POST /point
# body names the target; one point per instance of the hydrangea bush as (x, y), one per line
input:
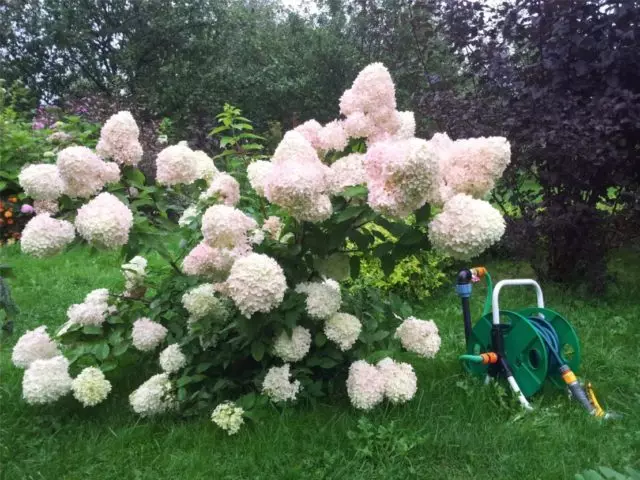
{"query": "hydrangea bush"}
(250, 303)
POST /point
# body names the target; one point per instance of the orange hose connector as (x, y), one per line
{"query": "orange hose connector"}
(479, 271)
(489, 358)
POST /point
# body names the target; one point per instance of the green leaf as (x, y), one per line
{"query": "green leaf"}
(257, 350)
(108, 366)
(120, 348)
(92, 330)
(423, 215)
(354, 266)
(204, 366)
(247, 401)
(101, 351)
(412, 237)
(355, 191)
(348, 213)
(320, 339)
(388, 264)
(135, 176)
(383, 250)
(182, 394)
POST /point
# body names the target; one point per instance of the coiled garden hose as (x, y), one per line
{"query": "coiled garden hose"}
(552, 342)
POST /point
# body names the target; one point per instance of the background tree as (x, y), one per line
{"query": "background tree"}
(560, 80)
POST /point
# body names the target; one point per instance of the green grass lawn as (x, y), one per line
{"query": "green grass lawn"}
(455, 428)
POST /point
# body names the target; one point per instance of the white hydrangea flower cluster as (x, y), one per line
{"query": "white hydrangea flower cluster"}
(104, 221)
(46, 206)
(228, 416)
(466, 227)
(83, 172)
(400, 381)
(407, 128)
(134, 272)
(365, 385)
(292, 348)
(44, 236)
(256, 283)
(33, 345)
(206, 169)
(147, 334)
(153, 397)
(177, 164)
(172, 359)
(119, 139)
(348, 171)
(41, 182)
(323, 298)
(257, 173)
(93, 311)
(91, 387)
(46, 380)
(189, 215)
(224, 188)
(226, 227)
(419, 336)
(200, 301)
(343, 329)
(278, 387)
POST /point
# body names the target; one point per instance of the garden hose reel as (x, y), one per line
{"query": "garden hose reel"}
(528, 346)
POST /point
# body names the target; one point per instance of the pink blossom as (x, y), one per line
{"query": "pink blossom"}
(27, 209)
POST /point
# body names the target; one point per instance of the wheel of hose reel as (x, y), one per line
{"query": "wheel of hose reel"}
(568, 340)
(525, 350)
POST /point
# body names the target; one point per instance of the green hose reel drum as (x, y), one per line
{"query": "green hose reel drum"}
(525, 350)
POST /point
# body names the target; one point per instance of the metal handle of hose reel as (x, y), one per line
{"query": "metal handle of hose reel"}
(516, 282)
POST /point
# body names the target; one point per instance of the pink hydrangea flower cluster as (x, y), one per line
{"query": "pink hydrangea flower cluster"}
(119, 139)
(348, 171)
(273, 227)
(211, 262)
(225, 189)
(44, 236)
(469, 166)
(298, 181)
(226, 227)
(400, 174)
(370, 105)
(104, 221)
(84, 173)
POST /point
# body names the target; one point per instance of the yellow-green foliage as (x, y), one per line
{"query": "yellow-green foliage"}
(414, 276)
